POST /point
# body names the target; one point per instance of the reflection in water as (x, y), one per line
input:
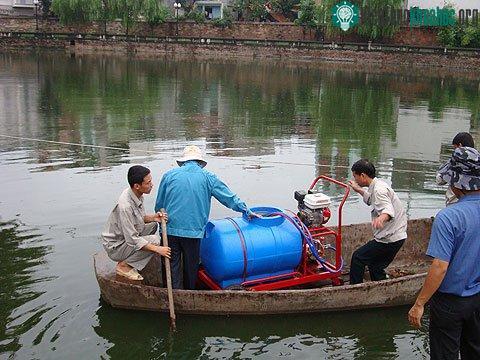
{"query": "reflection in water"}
(237, 109)
(21, 255)
(370, 334)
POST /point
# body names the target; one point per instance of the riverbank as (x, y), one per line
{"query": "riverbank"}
(459, 60)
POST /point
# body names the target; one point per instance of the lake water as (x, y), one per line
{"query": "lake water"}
(268, 129)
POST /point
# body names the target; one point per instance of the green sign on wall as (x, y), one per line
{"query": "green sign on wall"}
(345, 15)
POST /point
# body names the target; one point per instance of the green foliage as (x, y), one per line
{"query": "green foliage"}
(128, 12)
(225, 21)
(376, 25)
(251, 10)
(284, 6)
(75, 11)
(471, 38)
(188, 6)
(105, 10)
(194, 15)
(450, 36)
(460, 36)
(155, 13)
(307, 15)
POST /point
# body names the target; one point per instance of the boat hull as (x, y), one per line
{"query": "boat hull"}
(401, 290)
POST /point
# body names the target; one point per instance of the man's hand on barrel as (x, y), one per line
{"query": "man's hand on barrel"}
(251, 215)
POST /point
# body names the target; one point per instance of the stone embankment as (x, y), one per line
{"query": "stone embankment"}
(188, 29)
(409, 47)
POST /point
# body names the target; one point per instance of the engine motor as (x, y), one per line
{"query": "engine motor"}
(313, 207)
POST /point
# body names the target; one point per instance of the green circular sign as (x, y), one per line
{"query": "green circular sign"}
(345, 15)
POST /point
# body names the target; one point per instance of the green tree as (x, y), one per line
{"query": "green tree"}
(284, 6)
(188, 6)
(225, 21)
(128, 11)
(251, 10)
(450, 35)
(75, 11)
(105, 12)
(307, 16)
(460, 35)
(155, 13)
(379, 22)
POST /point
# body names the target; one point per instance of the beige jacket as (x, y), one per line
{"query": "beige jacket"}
(383, 200)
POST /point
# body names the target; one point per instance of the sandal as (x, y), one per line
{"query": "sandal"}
(132, 274)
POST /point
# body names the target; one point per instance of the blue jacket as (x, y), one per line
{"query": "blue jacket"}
(186, 193)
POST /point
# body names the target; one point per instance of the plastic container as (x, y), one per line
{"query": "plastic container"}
(270, 246)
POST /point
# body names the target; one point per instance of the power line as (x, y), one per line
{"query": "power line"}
(257, 161)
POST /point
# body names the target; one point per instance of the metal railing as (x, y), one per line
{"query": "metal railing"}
(205, 41)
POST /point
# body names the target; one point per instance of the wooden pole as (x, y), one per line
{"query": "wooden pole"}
(168, 276)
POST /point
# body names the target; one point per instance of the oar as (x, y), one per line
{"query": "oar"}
(169, 275)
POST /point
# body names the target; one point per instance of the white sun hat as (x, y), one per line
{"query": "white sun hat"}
(192, 152)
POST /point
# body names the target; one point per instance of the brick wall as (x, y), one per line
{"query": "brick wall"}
(349, 57)
(239, 30)
(416, 36)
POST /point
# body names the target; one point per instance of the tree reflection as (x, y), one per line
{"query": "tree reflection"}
(20, 253)
(110, 101)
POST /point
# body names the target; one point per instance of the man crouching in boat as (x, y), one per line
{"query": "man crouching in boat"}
(130, 234)
(389, 223)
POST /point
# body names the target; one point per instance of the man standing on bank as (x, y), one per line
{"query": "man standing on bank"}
(389, 223)
(186, 193)
(130, 234)
(452, 285)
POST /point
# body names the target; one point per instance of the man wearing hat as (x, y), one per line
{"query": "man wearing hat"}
(452, 285)
(460, 140)
(186, 193)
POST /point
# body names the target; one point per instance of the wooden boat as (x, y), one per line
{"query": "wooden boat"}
(407, 274)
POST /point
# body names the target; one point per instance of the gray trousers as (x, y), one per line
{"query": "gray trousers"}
(136, 259)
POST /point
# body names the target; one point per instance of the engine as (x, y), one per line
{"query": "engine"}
(313, 207)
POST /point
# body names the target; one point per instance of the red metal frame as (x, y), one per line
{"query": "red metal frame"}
(308, 271)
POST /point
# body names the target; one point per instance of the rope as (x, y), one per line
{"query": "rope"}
(156, 152)
(244, 247)
(76, 144)
(164, 152)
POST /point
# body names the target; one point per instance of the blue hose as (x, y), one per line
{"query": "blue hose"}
(309, 240)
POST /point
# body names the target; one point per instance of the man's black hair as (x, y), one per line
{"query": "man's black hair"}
(463, 138)
(136, 174)
(363, 166)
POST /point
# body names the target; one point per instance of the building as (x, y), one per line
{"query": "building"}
(17, 7)
(459, 4)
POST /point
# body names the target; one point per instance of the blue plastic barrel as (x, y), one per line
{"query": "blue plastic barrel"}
(235, 250)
